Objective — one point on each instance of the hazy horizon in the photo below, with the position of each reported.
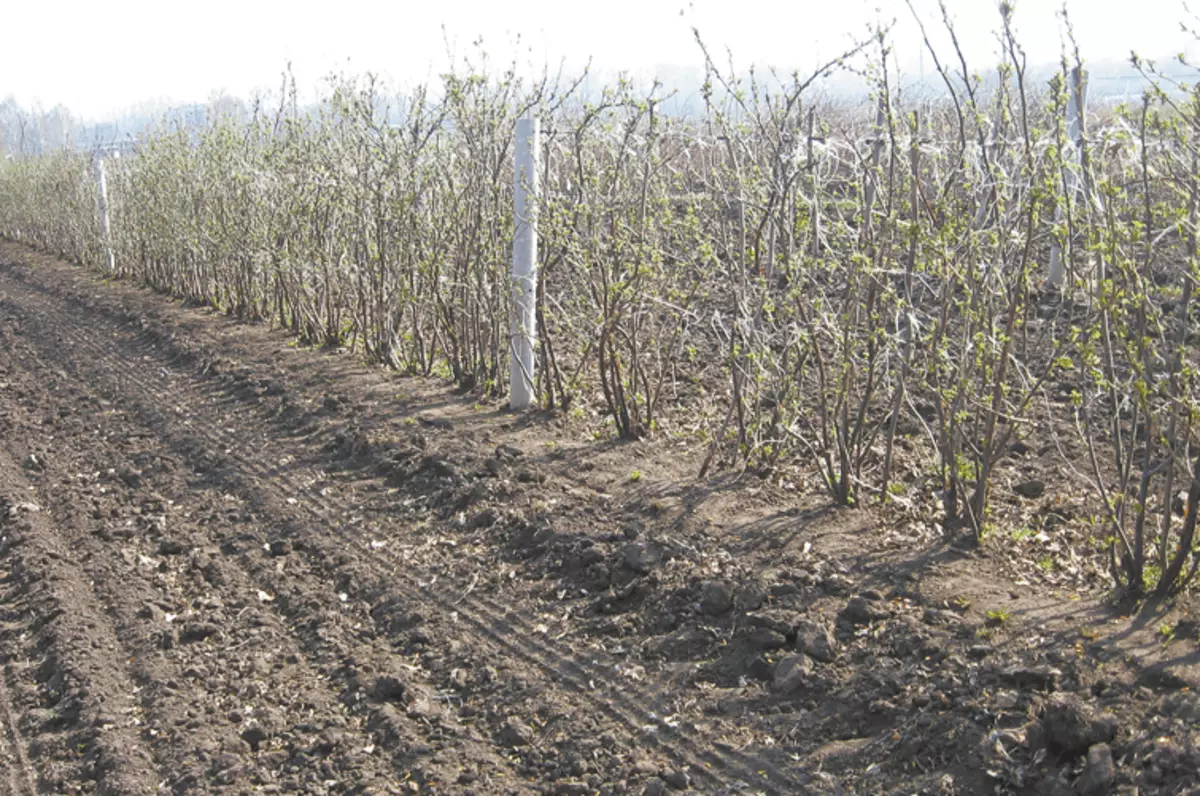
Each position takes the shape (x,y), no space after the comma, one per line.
(128,53)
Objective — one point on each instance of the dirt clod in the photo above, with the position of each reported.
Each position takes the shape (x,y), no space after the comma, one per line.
(678,780)
(641,556)
(716,597)
(861,611)
(764,639)
(751,596)
(1031,489)
(195,632)
(1099,772)
(655,786)
(1070,727)
(1037,678)
(389,688)
(791,673)
(441,466)
(816,641)
(170,547)
(777,620)
(515,733)
(508,452)
(254,736)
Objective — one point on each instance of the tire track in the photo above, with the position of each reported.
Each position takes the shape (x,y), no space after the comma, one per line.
(621,701)
(585,677)
(320,637)
(21,778)
(134,593)
(83,679)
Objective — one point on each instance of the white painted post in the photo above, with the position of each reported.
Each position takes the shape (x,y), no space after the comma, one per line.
(814,172)
(524,267)
(102,209)
(1076,108)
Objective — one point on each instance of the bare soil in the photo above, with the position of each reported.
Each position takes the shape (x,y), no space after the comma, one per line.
(232,565)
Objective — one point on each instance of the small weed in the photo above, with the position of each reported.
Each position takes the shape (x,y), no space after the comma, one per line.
(635,476)
(1090,633)
(1152,575)
(998,617)
(1021,534)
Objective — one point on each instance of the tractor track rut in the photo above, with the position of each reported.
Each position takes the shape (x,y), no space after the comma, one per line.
(257,629)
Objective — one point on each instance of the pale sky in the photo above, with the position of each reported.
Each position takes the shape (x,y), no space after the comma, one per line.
(101,56)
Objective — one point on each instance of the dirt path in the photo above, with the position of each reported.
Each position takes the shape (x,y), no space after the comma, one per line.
(230,565)
(238,578)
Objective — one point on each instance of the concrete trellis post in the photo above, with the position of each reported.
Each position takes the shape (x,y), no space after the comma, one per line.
(814,173)
(877,145)
(524,267)
(102,210)
(1076,110)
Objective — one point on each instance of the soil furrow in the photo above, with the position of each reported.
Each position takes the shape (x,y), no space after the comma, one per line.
(292,497)
(511,634)
(330,653)
(20,777)
(53,621)
(156,572)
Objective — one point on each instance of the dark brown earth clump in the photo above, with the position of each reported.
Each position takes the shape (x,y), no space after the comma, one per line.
(231,565)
